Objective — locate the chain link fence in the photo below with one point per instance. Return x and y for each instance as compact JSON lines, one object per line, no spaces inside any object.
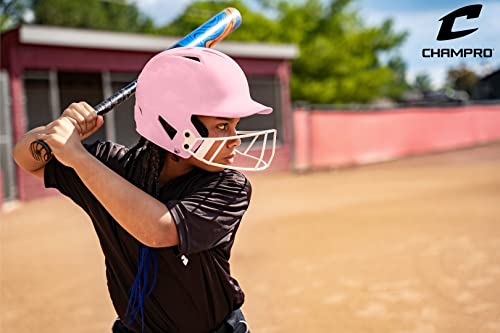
{"x":6,"y":144}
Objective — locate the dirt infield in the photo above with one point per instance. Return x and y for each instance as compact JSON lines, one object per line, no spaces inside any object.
{"x":410,"y":246}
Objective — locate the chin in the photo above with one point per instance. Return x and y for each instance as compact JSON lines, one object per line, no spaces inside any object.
{"x":202,"y":165}
{"x":212,"y":168}
{"x":209,"y":168}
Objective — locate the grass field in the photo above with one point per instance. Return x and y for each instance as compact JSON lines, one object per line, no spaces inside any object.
{"x":410,"y":246}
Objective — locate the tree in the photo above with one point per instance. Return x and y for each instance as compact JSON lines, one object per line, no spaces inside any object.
{"x":116,"y":15}
{"x":12,"y":13}
{"x":462,"y":78}
{"x":400,"y":85}
{"x":422,"y":83}
{"x":339,"y":58}
{"x":255,"y":27}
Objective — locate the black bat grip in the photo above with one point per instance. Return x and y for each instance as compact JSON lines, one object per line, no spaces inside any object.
{"x":42,"y":152}
{"x":116,"y":99}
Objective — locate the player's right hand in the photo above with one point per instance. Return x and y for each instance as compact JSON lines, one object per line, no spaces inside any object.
{"x":84,"y":118}
{"x":64,"y":135}
{"x":64,"y":140}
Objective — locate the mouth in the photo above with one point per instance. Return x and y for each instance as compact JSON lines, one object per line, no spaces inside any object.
{"x":229,"y":159}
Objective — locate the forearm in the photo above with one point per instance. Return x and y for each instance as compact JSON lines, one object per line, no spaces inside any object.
{"x":22,"y":151}
{"x":81,"y":115}
{"x":143,"y":216}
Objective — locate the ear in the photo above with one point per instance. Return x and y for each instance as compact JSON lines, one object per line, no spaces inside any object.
{"x":173,"y":157}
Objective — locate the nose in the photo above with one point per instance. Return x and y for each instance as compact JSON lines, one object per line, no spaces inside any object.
{"x":233,"y":143}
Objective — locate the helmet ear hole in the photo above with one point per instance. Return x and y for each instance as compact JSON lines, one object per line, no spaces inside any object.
{"x":171,"y":131}
{"x":200,"y":127}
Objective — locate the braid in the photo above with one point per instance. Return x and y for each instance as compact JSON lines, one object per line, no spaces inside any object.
{"x":147,"y":161}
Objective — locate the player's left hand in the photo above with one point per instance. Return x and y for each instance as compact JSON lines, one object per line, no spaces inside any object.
{"x":84,"y":117}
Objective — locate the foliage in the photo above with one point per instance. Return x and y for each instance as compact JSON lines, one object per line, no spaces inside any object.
{"x":12,"y":13}
{"x":339,"y":58}
{"x":422,"y":83}
{"x":255,"y":27}
{"x":115,"y":15}
{"x":462,"y":78}
{"x":398,"y":67}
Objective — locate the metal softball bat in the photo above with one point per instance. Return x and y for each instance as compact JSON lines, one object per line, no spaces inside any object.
{"x":206,"y":35}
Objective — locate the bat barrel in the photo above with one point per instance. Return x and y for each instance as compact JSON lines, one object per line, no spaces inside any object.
{"x":214,"y":30}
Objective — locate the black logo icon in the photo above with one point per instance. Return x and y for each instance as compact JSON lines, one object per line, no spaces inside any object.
{"x":446,"y":33}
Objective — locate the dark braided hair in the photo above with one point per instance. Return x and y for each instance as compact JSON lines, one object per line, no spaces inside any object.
{"x":146,"y":163}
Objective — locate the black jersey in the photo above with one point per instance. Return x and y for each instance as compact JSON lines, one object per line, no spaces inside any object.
{"x":194,"y":290}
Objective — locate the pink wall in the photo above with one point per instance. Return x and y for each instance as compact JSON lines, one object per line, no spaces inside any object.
{"x":325,"y":139}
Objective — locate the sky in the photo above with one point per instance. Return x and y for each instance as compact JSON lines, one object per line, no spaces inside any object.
{"x":420,"y":18}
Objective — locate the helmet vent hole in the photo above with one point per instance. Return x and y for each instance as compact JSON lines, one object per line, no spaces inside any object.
{"x":167,"y":127}
{"x":200,"y":127}
{"x":192,"y":58}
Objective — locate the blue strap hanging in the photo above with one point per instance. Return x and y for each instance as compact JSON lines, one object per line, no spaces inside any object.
{"x":139,"y":290}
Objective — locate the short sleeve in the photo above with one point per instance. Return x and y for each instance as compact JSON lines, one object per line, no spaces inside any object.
{"x":65,"y":179}
{"x":210,"y":216}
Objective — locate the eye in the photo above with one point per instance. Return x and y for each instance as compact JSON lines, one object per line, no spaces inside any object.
{"x":222,"y":126}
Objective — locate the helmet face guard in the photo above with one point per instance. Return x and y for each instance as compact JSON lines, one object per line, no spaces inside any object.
{"x":249,"y":156}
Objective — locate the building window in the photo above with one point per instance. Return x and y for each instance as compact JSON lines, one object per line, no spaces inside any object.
{"x":68,"y":87}
{"x":37,"y":98}
{"x":265,"y":90}
{"x":124,"y":113}
{"x":83,"y":86}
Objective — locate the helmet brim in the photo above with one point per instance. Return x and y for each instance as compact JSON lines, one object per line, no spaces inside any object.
{"x":253,"y":108}
{"x":232,"y":109}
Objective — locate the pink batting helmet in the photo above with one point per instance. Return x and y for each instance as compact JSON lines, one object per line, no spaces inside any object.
{"x":179,"y":83}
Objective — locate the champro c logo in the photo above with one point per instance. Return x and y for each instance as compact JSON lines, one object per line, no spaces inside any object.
{"x":446,"y":33}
